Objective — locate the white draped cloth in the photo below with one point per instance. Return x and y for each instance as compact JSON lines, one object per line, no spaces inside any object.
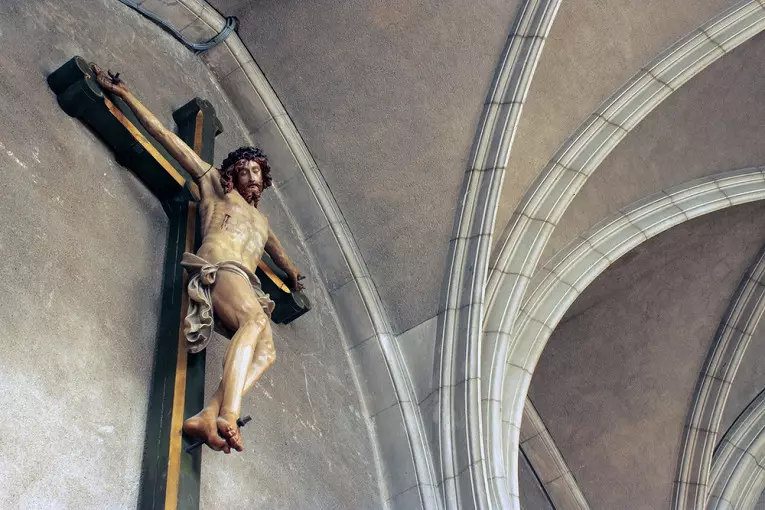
{"x":199,"y":323}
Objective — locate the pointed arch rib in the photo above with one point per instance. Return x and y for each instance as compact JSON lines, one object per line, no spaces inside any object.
{"x":548,"y":464}
{"x":713,"y":387}
{"x":564,"y":278}
{"x":464,"y":477}
{"x":738,"y":475}
{"x":507,"y":359}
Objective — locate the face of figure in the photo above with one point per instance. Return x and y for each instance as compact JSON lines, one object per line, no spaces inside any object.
{"x":248,"y":180}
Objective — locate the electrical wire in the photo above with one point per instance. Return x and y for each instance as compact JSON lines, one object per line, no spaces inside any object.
{"x":232,"y":24}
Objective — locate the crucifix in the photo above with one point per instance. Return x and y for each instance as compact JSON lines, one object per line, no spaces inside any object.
{"x":229,"y":278}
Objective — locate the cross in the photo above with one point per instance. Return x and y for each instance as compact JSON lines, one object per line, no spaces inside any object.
{"x":170,"y":476}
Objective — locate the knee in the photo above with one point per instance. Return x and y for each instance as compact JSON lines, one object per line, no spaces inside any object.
{"x":266,"y":359}
{"x":253,"y":317}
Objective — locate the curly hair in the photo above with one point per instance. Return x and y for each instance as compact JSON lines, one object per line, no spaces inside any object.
{"x":250,"y":154}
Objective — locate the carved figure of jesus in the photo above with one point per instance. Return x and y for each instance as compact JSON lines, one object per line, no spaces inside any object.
{"x":221,"y":274}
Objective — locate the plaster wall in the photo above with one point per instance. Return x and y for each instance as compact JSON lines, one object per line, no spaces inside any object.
{"x":615,"y":381}
{"x":592,"y":50}
{"x":711,"y":124}
{"x":387,"y":97}
{"x":83,"y":244}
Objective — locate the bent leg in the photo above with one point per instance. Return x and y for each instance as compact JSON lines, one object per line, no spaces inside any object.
{"x":236,"y":305}
{"x":265,"y":356}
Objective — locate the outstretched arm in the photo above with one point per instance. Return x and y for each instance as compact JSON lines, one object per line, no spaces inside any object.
{"x":274,"y":249}
{"x":177,"y":148}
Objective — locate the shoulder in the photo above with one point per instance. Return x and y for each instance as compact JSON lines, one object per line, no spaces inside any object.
{"x":209,"y":183}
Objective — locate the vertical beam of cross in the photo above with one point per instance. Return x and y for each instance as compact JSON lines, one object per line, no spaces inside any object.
{"x":197,"y":126}
{"x":170,"y":477}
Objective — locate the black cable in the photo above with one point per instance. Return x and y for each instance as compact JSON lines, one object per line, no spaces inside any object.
{"x":231,"y":25}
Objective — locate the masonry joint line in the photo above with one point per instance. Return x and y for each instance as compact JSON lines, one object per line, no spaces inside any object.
{"x":706,"y":34}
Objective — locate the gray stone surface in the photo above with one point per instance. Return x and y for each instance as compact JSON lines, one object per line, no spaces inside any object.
{"x":592,"y":50}
{"x":712,"y":124}
{"x":418,"y":347}
{"x":398,"y":463}
{"x":749,"y":381}
{"x":615,"y":381}
{"x":374,"y":371}
{"x":387,"y":97}
{"x":761,"y":502}
{"x":83,"y":243}
{"x":533,"y":496}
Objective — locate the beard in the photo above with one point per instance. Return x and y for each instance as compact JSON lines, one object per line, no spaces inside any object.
{"x":251,"y":193}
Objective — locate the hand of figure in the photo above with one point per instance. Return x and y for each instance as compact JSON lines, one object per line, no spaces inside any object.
{"x":294,"y":282}
{"x":111,"y":82}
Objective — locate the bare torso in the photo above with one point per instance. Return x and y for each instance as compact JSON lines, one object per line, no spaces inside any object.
{"x":232,"y":229}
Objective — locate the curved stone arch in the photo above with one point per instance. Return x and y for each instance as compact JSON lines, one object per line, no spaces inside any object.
{"x":465,"y":478}
{"x":528,"y":231}
{"x":406,"y":464}
{"x":713,"y":387}
{"x":548,"y":464}
{"x":738,"y":475}
{"x":557,"y":285}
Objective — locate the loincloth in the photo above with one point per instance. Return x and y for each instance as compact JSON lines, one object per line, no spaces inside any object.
{"x":199,"y":322}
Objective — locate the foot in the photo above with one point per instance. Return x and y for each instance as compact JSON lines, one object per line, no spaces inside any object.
{"x":228,"y":428}
{"x":203,"y":425}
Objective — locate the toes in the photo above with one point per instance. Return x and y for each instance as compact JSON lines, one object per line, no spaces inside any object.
{"x":216,"y":442}
{"x":231,"y":434}
{"x":234,"y":440}
{"x":225,"y":428}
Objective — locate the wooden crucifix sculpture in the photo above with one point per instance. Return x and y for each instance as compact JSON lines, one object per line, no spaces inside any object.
{"x":222,"y":276}
{"x":222,"y":279}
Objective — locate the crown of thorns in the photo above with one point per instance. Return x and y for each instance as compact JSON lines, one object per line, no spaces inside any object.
{"x":248,"y":153}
